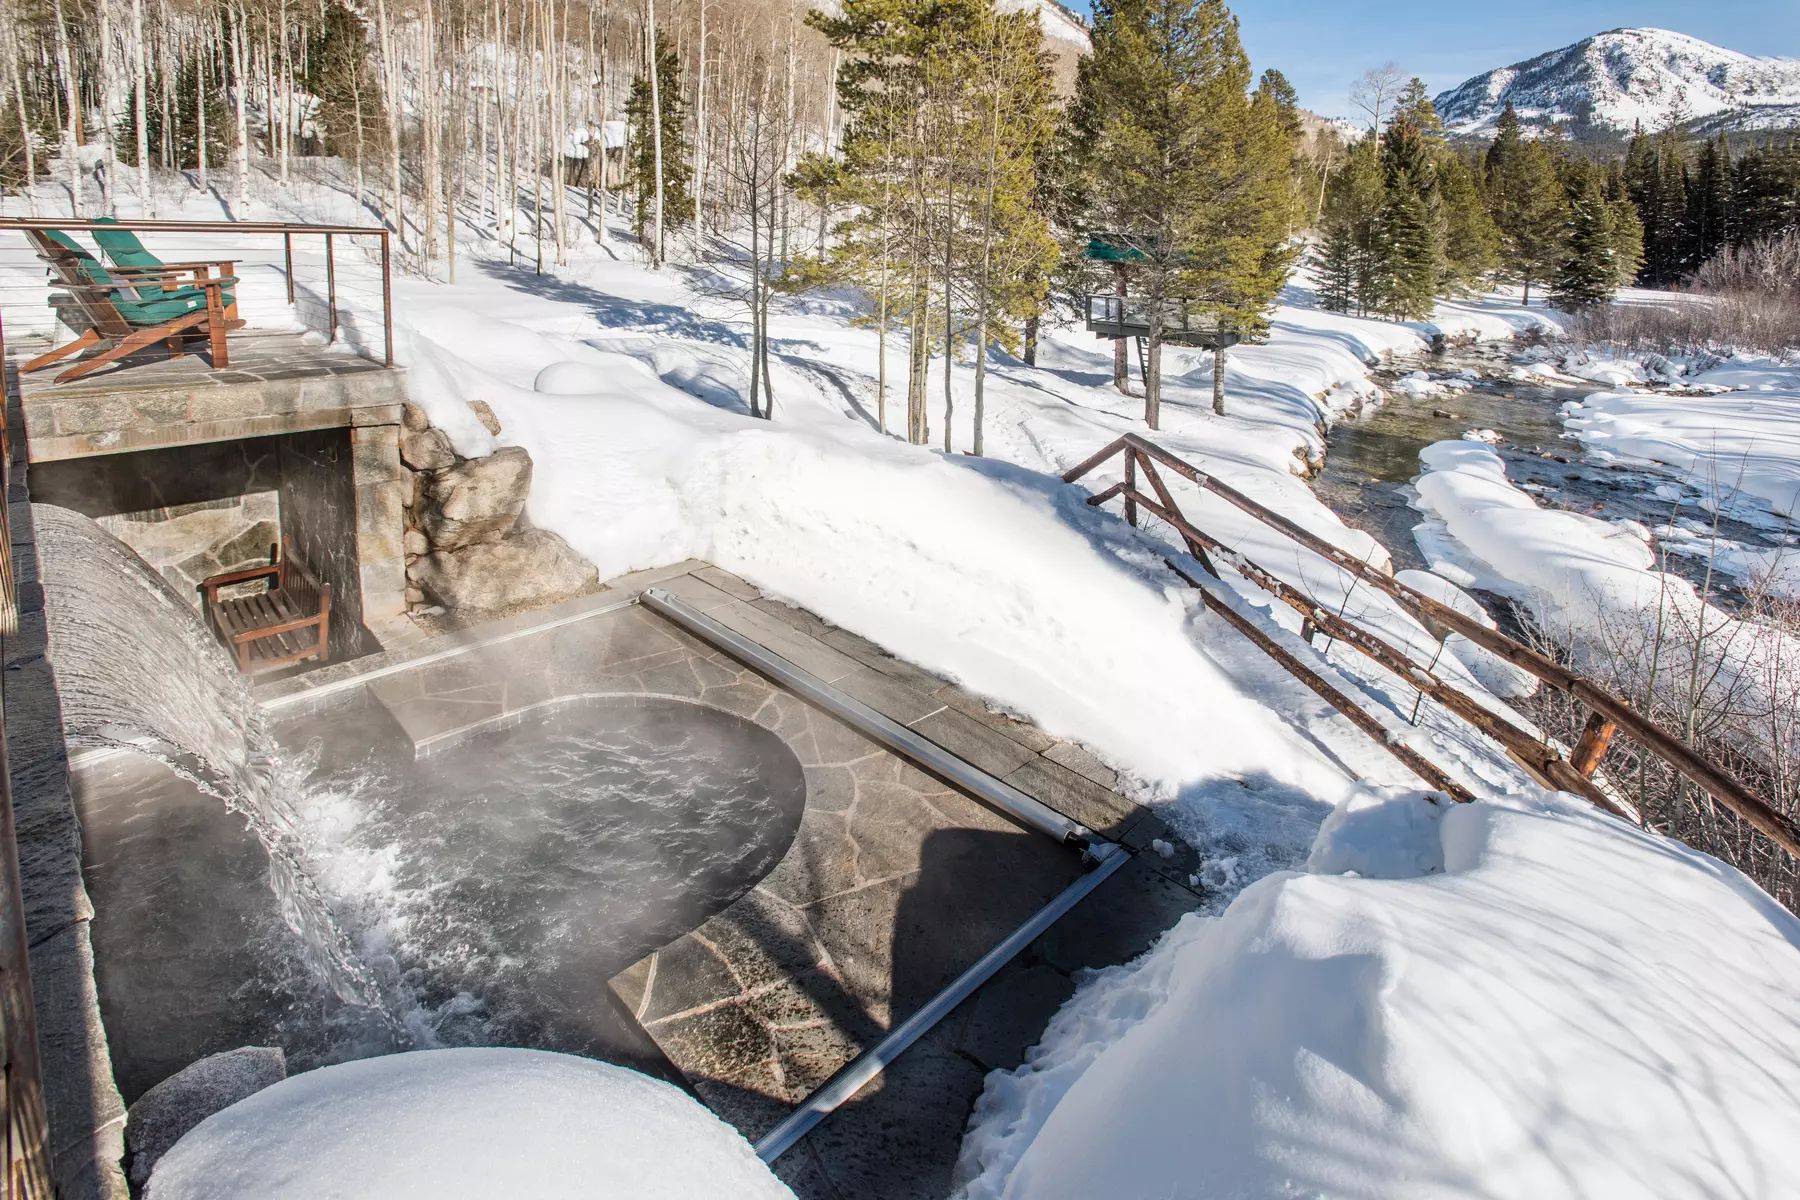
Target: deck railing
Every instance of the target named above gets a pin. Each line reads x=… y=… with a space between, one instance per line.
x=1608 y=714
x=337 y=279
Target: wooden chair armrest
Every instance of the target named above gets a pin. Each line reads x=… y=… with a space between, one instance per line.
x=225 y=266
x=199 y=271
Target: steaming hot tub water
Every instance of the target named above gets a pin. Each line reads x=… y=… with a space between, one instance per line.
x=491 y=889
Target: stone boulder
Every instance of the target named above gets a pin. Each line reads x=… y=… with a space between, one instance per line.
x=167 y=1111
x=476 y=501
x=426 y=449
x=531 y=569
x=485 y=414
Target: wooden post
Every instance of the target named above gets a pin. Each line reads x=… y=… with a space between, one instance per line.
x=1219 y=380
x=1130 y=487
x=1596 y=736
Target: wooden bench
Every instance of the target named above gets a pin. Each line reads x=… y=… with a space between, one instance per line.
x=286 y=623
x=125 y=309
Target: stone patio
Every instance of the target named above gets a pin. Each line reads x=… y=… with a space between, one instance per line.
x=894 y=884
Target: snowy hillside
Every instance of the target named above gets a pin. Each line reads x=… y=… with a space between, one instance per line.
x=1624 y=76
x=1060 y=23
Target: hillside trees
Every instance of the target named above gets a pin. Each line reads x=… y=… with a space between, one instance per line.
x=1183 y=168
x=949 y=112
x=1410 y=224
x=657 y=155
x=1587 y=274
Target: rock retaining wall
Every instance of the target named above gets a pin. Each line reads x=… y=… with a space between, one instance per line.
x=469 y=547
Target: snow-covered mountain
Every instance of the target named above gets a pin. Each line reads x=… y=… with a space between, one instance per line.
x=1615 y=79
x=1060 y=23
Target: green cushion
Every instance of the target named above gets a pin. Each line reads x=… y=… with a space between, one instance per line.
x=122 y=246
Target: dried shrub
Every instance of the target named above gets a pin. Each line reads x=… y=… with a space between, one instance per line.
x=1729 y=689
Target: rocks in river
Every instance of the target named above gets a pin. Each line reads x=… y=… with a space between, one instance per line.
x=532 y=568
x=167 y=1111
x=476 y=500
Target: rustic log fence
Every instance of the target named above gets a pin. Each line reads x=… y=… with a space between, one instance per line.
x=1608 y=714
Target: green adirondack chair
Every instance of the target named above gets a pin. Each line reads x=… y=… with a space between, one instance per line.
x=126 y=309
x=124 y=249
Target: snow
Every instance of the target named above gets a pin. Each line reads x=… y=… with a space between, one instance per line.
x=1570 y=1007
x=1740 y=448
x=1627 y=77
x=465 y=1122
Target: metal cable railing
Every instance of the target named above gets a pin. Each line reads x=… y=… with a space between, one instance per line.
x=332 y=280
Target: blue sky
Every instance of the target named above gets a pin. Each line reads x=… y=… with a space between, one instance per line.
x=1322 y=45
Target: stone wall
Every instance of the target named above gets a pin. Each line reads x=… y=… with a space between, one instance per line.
x=195 y=510
x=85 y=1111
x=188 y=542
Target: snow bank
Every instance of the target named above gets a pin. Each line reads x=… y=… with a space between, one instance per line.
x=1454 y=1034
x=1590 y=581
x=467 y=1122
x=1743 y=443
x=999 y=577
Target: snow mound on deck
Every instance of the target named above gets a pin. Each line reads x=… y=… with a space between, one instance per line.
x=1453 y=1034
x=465 y=1122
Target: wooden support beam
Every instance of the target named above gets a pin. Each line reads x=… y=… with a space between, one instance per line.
x=1415 y=762
x=1778 y=827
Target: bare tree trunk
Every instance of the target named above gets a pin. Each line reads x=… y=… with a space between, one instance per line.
x=605 y=107
x=287 y=96
x=72 y=108
x=537 y=137
x=18 y=90
x=1153 y=374
x=700 y=139
x=949 y=308
x=1121 y=349
x=1219 y=380
x=109 y=160
x=656 y=254
x=140 y=74
x=200 y=113
x=240 y=62
x=390 y=96
x=755 y=280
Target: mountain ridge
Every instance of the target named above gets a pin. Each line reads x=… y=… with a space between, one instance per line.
x=1625 y=77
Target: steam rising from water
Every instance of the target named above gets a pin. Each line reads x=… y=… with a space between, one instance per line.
x=136 y=669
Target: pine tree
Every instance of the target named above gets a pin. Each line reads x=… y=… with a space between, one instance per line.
x=1709 y=200
x=1471 y=243
x=1411 y=223
x=1186 y=171
x=1588 y=274
x=1628 y=231
x=1348 y=256
x=1526 y=202
x=640 y=152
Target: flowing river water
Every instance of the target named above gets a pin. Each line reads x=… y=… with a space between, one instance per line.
x=1372 y=459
